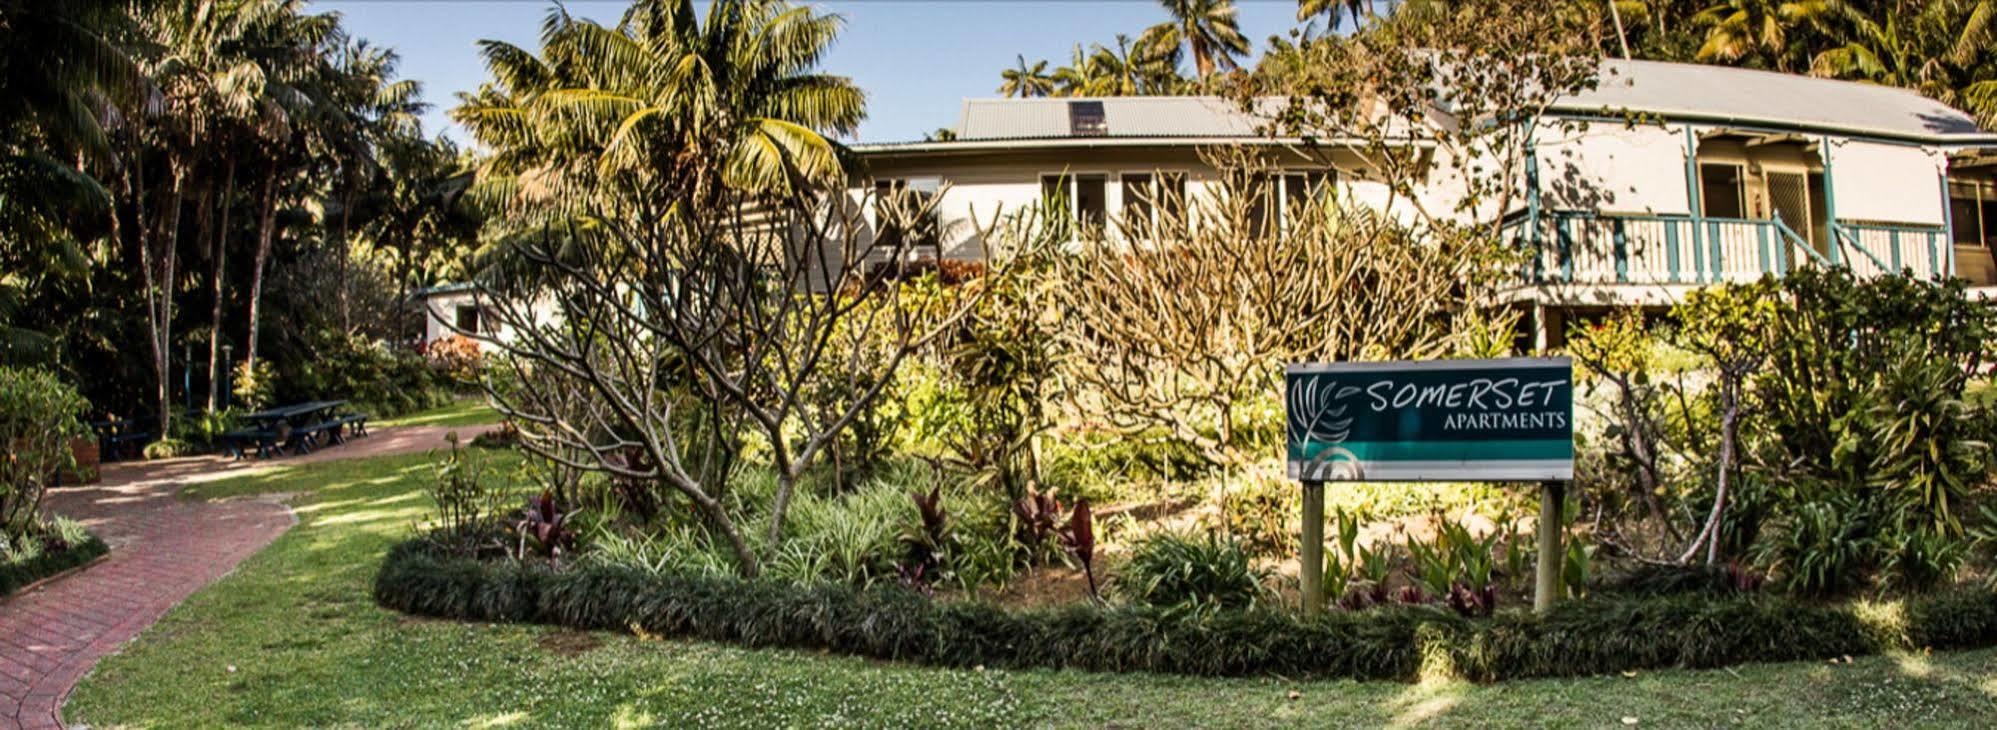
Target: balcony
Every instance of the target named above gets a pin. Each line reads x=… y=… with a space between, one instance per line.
x=1586 y=248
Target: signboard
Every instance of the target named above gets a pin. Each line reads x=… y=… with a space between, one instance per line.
x=1437 y=420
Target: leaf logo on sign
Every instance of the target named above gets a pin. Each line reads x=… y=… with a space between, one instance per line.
x=1317 y=416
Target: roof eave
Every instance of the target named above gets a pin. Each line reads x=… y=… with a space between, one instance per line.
x=1947 y=140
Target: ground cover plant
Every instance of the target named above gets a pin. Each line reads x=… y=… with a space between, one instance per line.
x=290 y=639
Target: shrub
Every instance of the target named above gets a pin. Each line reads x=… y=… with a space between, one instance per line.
x=458 y=357
x=377 y=378
x=469 y=504
x=169 y=448
x=255 y=385
x=1178 y=571
x=38 y=417
x=1583 y=637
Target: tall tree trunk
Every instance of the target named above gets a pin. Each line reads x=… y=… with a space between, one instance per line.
x=346 y=246
x=265 y=228
x=169 y=268
x=221 y=250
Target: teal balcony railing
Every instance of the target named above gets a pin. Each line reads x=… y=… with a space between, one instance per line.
x=1584 y=247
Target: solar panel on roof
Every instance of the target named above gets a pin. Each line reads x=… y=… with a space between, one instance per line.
x=1086 y=119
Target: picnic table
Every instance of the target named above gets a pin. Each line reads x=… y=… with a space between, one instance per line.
x=121 y=437
x=297 y=428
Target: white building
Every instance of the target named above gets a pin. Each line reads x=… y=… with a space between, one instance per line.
x=1732 y=174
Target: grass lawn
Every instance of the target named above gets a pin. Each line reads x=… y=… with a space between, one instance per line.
x=461 y=412
x=293 y=639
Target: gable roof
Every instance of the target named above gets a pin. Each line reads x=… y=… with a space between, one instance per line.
x=1722 y=94
x=1677 y=91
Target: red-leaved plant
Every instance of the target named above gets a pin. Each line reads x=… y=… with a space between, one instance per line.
x=544 y=527
x=1079 y=537
x=926 y=544
x=1037 y=512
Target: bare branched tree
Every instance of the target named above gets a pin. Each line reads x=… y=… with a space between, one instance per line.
x=1183 y=320
x=1439 y=97
x=655 y=350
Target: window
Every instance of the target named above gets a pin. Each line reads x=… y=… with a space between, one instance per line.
x=1084 y=197
x=1150 y=198
x=1964 y=217
x=467 y=318
x=1303 y=188
x=1262 y=205
x=1722 y=193
x=902 y=209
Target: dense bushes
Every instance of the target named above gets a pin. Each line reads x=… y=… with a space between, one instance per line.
x=1590 y=636
x=1827 y=438
x=377 y=378
x=38 y=418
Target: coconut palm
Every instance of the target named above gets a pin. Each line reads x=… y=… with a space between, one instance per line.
x=1943 y=50
x=1131 y=69
x=1026 y=81
x=1207 y=29
x=661 y=105
x=1337 y=10
x=1738 y=30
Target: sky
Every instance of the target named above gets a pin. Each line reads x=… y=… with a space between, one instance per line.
x=916 y=59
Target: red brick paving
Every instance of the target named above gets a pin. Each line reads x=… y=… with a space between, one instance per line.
x=162 y=550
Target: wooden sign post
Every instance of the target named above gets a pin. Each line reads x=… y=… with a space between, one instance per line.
x=1506 y=420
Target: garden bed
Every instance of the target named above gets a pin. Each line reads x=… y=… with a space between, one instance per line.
x=18 y=576
x=1586 y=637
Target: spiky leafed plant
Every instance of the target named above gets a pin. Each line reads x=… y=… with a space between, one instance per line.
x=1741 y=30
x=665 y=105
x=1027 y=80
x=1207 y=29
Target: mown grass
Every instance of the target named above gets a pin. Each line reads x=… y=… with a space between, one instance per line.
x=292 y=639
x=467 y=411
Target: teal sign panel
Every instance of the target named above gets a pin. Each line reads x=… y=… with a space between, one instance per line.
x=1436 y=420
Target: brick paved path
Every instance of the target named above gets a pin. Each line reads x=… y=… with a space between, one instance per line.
x=162 y=550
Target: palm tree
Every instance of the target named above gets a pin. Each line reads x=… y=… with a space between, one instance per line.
x=1941 y=50
x=1026 y=81
x=1208 y=29
x=1355 y=10
x=592 y=123
x=1129 y=70
x=1740 y=30
x=1081 y=77
x=63 y=64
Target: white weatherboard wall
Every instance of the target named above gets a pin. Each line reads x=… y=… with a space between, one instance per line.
x=1889 y=183
x=1613 y=168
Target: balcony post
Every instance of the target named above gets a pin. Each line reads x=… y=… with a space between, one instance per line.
x=1834 y=234
x=1692 y=198
x=1948 y=230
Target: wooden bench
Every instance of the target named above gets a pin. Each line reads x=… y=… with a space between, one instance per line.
x=356 y=424
x=266 y=441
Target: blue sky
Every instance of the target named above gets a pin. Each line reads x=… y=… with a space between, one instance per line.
x=917 y=59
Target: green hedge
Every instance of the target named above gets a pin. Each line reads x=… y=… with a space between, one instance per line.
x=14 y=576
x=1595 y=636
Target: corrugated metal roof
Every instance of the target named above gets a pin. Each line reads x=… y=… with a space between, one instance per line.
x=1127 y=116
x=1673 y=90
x=1683 y=90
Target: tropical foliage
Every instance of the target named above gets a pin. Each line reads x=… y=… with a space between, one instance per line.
x=164 y=165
